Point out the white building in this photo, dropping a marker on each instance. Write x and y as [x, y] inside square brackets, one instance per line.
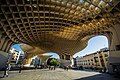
[15, 54]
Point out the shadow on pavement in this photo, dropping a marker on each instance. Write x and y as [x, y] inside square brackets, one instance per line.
[45, 70]
[99, 77]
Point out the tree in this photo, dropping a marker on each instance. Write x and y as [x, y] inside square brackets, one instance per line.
[53, 61]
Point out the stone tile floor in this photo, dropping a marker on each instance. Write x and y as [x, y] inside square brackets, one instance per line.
[58, 74]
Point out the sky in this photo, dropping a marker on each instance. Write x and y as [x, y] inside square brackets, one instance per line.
[94, 44]
[17, 47]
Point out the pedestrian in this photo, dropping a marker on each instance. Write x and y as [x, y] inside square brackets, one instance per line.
[54, 67]
[104, 70]
[35, 66]
[49, 67]
[20, 68]
[67, 68]
[64, 67]
[6, 69]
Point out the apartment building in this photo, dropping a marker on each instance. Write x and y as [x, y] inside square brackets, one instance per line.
[15, 54]
[96, 60]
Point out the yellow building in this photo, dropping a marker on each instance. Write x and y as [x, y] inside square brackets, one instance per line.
[96, 60]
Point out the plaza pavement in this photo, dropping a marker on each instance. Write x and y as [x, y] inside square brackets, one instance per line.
[58, 74]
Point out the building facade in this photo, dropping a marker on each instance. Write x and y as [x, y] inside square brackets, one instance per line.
[15, 55]
[96, 60]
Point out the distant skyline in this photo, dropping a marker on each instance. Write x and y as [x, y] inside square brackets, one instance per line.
[94, 44]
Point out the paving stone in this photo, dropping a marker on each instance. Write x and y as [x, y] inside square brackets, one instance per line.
[58, 74]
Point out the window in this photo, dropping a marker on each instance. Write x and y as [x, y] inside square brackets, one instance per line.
[101, 60]
[91, 59]
[100, 56]
[106, 59]
[106, 55]
[96, 59]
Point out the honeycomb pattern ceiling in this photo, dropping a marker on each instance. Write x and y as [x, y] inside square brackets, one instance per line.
[50, 21]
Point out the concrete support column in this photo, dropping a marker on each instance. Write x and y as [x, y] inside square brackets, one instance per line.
[2, 42]
[9, 46]
[114, 54]
[115, 39]
[3, 59]
[71, 57]
[5, 45]
[28, 58]
[113, 61]
[62, 57]
[28, 61]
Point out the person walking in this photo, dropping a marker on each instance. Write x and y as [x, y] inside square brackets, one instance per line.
[54, 67]
[67, 68]
[49, 67]
[6, 70]
[21, 67]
